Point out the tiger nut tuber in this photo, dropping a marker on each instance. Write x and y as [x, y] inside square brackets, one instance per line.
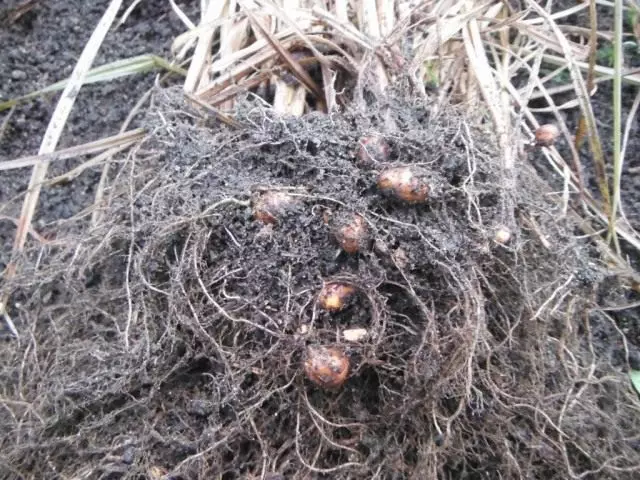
[272, 205]
[404, 183]
[372, 149]
[335, 296]
[546, 135]
[352, 234]
[327, 367]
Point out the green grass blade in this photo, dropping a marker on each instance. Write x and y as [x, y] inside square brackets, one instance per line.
[105, 73]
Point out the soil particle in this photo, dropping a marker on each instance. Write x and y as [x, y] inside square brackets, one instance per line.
[41, 48]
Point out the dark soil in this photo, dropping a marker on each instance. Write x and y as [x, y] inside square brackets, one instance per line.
[42, 47]
[168, 341]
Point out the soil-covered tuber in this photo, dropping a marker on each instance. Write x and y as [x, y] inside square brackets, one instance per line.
[335, 296]
[406, 183]
[352, 234]
[327, 367]
[270, 206]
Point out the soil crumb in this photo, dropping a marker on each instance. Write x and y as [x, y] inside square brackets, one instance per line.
[169, 339]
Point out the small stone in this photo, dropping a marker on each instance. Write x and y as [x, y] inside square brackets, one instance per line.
[502, 235]
[355, 334]
[128, 456]
[18, 75]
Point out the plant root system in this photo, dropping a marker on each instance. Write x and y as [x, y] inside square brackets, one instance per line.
[169, 340]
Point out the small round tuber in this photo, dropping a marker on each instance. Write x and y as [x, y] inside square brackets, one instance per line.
[269, 206]
[372, 149]
[352, 234]
[404, 183]
[327, 367]
[335, 296]
[546, 135]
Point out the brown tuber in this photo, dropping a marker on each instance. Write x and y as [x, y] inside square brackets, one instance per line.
[327, 367]
[269, 206]
[352, 234]
[546, 135]
[404, 183]
[335, 296]
[372, 149]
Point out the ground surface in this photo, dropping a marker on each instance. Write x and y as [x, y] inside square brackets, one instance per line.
[629, 319]
[43, 46]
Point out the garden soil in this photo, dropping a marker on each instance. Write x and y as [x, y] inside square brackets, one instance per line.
[169, 340]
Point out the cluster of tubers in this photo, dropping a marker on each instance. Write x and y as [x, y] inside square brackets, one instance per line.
[328, 366]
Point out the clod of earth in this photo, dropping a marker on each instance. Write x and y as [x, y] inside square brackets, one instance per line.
[327, 367]
[406, 183]
[335, 296]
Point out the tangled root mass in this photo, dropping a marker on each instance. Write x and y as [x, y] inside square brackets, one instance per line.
[169, 339]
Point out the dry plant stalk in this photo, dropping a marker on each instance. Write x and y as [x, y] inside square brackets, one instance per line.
[289, 95]
[196, 75]
[233, 37]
